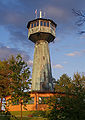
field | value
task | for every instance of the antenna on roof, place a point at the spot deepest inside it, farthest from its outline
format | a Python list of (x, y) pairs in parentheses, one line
[(36, 13), (40, 14), (44, 14)]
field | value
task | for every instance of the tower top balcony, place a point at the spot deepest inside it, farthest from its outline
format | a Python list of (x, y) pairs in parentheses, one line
[(41, 29)]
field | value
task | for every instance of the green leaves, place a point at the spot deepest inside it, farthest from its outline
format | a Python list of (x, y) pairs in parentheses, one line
[(20, 82), (4, 78), (20, 77), (70, 105), (14, 80), (14, 77), (63, 84)]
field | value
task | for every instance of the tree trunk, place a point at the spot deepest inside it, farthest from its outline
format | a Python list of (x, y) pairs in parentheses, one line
[(21, 110), (1, 103)]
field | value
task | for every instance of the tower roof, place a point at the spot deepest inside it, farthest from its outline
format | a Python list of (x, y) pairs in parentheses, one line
[(28, 25)]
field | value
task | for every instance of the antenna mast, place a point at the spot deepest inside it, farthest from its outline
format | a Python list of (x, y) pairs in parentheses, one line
[(40, 14)]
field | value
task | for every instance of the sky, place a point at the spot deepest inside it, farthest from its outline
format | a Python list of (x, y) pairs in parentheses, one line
[(67, 52)]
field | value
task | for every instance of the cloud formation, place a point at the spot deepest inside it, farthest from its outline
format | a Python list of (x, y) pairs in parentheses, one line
[(6, 52), (14, 20), (73, 54), (14, 15), (65, 62), (58, 66), (30, 63), (83, 51), (76, 53)]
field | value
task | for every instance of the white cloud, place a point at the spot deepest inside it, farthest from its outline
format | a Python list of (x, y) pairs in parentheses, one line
[(65, 62), (73, 54), (82, 37), (7, 47), (57, 39), (83, 51), (6, 52), (58, 66), (30, 63)]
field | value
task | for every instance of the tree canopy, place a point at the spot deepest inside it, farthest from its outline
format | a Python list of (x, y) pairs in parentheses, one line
[(14, 73), (4, 78), (15, 80), (71, 105), (20, 80), (63, 84)]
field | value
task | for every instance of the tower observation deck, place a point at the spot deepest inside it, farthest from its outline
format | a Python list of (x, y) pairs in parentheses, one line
[(41, 32)]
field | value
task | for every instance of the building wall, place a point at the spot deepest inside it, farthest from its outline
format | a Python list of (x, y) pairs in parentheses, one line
[(36, 105)]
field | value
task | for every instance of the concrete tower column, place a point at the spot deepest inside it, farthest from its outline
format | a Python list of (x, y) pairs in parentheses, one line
[(41, 32), (41, 74)]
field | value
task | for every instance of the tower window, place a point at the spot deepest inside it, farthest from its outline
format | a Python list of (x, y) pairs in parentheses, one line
[(37, 23), (41, 23), (43, 100), (51, 26), (44, 23), (16, 102), (30, 101), (32, 25), (47, 24)]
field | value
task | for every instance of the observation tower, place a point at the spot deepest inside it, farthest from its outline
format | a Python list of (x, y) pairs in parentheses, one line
[(41, 32)]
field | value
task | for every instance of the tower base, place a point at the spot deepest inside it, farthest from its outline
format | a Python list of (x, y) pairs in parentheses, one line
[(38, 101)]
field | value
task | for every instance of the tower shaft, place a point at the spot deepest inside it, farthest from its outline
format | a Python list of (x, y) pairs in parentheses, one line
[(41, 74), (41, 32)]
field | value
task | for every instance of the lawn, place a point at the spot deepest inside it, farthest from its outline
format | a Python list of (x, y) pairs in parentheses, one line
[(33, 118), (24, 118), (15, 115)]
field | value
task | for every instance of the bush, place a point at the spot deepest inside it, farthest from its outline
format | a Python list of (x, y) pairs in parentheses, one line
[(5, 115), (39, 114)]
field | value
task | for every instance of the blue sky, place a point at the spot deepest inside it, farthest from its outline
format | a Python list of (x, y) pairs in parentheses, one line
[(68, 50)]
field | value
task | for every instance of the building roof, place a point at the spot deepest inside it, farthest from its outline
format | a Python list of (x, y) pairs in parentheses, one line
[(28, 25)]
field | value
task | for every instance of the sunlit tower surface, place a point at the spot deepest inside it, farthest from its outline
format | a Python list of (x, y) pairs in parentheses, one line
[(41, 31)]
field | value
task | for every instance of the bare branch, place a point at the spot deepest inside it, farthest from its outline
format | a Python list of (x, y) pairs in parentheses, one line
[(81, 19), (80, 22), (81, 32), (78, 13)]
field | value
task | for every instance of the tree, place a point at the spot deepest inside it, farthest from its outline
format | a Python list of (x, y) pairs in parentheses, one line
[(4, 80), (14, 80), (63, 84), (70, 106), (20, 82)]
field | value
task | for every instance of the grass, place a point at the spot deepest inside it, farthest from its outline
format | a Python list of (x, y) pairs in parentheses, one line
[(33, 118), (24, 113), (24, 118), (15, 115), (27, 113)]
